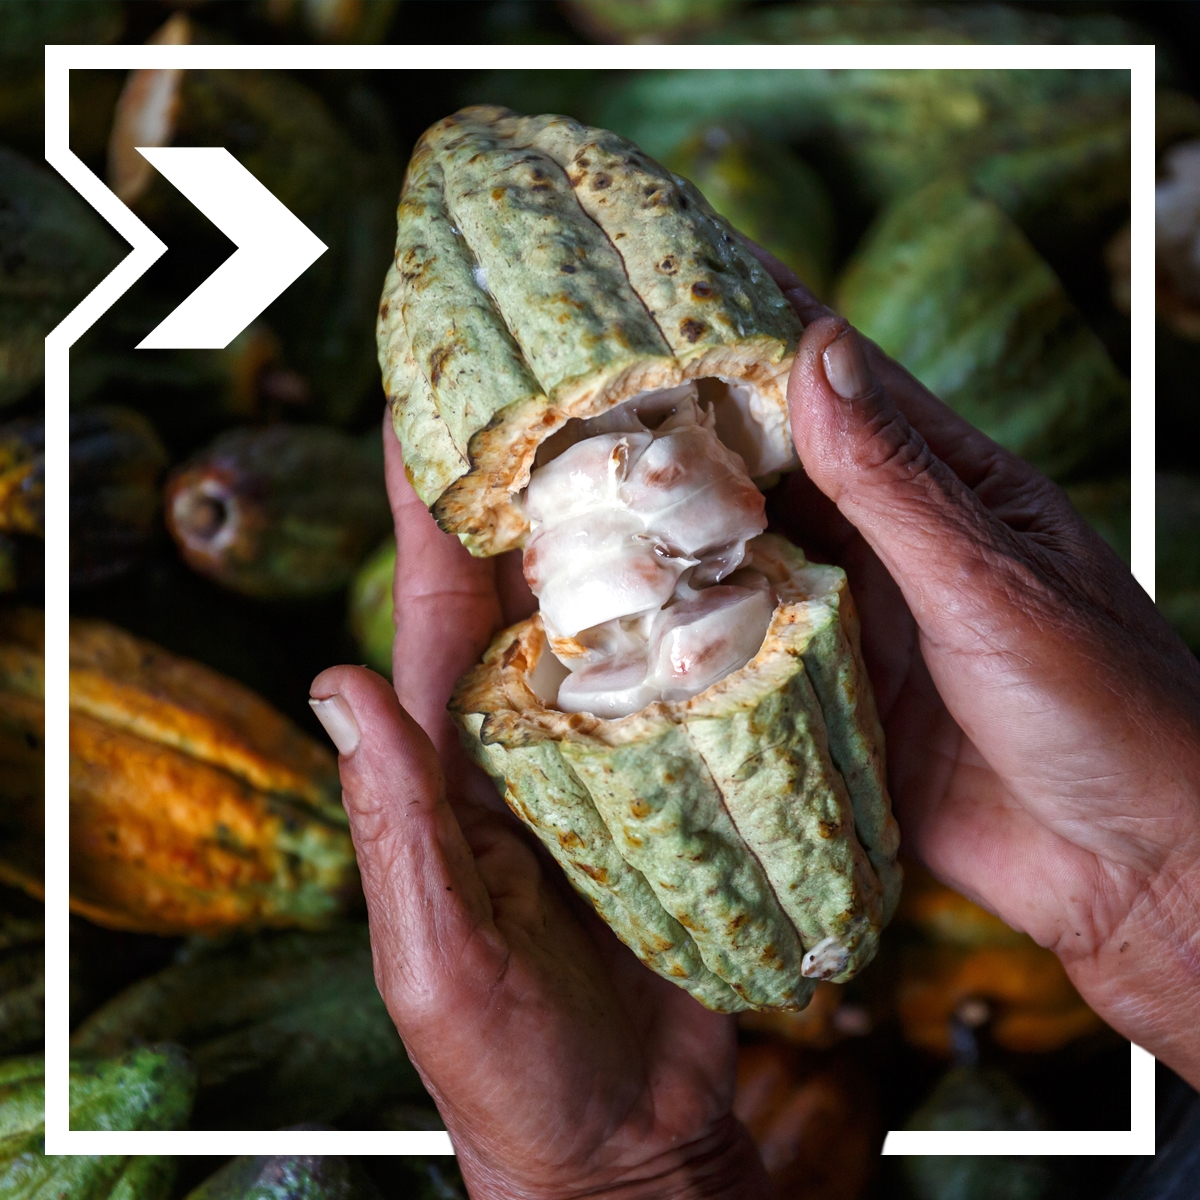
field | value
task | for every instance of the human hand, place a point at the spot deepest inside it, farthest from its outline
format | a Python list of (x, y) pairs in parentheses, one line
[(1042, 719), (561, 1065)]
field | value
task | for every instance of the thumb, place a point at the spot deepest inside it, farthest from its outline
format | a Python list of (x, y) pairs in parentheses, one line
[(425, 899), (927, 527)]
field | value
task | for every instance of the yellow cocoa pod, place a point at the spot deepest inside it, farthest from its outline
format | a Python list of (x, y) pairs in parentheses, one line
[(195, 806)]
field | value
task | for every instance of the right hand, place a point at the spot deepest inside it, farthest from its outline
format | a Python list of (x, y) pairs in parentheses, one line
[(1042, 718)]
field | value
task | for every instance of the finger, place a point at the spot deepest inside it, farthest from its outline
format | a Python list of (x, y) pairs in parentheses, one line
[(807, 307), (445, 604), (993, 473), (425, 899), (927, 527), (979, 462)]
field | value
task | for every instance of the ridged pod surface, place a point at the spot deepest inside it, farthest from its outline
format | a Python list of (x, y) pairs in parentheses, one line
[(741, 841), (195, 806), (545, 270), (725, 836), (150, 1088), (283, 1029)]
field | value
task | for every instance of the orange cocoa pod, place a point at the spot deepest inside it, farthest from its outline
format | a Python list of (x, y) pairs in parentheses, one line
[(195, 806), (814, 1119), (1022, 991)]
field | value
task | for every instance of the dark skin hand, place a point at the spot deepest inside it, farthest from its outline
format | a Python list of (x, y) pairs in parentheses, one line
[(1043, 733)]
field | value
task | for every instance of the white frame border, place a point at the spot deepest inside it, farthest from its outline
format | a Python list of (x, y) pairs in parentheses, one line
[(60, 60)]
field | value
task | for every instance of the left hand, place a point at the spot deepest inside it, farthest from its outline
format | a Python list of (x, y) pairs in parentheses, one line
[(562, 1066)]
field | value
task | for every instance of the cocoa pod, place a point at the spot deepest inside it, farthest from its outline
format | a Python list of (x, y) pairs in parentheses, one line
[(116, 461), (195, 806), (970, 1098), (966, 965), (815, 1120), (151, 1088), (281, 511), (283, 1029), (371, 616), (53, 250)]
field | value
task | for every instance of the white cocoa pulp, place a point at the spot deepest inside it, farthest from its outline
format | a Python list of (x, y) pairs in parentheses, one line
[(635, 553)]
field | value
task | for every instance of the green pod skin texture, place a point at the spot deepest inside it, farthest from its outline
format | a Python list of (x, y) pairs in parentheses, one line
[(948, 286), (724, 837), (116, 462), (639, 21), (1177, 546), (282, 1030), (22, 973), (765, 192), (918, 24), (189, 395), (285, 511), (53, 250), (286, 136), (740, 843), (151, 1088), (299, 1178), (544, 271), (1035, 141), (27, 27), (371, 610), (970, 1098)]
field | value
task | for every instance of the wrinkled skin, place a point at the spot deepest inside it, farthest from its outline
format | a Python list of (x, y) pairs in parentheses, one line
[(1043, 727)]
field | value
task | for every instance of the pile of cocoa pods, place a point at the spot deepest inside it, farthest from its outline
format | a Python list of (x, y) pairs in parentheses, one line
[(231, 537)]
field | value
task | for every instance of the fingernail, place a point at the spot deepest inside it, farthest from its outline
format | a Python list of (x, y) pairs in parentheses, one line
[(335, 715), (846, 366)]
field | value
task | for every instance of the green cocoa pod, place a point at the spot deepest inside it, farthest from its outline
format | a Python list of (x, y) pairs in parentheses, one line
[(26, 28), (285, 135), (22, 974), (546, 275), (116, 461), (281, 511), (1034, 140), (948, 286), (326, 1177), (53, 250), (970, 1098), (188, 395), (371, 614), (282, 1029), (150, 1088), (1177, 543), (855, 24), (765, 192), (647, 20)]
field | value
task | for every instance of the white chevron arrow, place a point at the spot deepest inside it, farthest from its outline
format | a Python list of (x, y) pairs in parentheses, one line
[(274, 248)]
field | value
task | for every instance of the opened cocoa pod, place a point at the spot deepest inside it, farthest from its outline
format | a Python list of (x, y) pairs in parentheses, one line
[(584, 360)]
